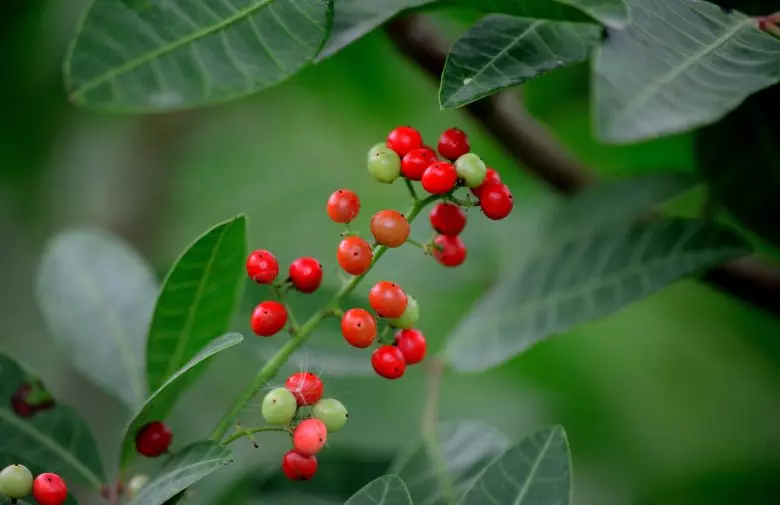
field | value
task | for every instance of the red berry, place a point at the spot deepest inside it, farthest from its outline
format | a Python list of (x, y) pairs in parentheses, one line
[(448, 219), (299, 467), (306, 274), (412, 345), (496, 201), (343, 206), (388, 299), (453, 144), (439, 178), (268, 318), (262, 267), (404, 139), (306, 387), (354, 255), (20, 401), (358, 327), (449, 251), (415, 162), (50, 489), (389, 362), (309, 437), (491, 177), (153, 439), (390, 228)]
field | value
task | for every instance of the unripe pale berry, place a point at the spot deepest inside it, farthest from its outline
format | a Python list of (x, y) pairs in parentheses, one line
[(387, 299), (449, 251), (354, 255), (448, 219), (306, 274), (415, 162), (410, 316), (262, 267), (16, 481), (385, 166), (279, 406), (268, 318), (491, 177), (136, 484), (439, 178), (299, 467), (388, 362), (471, 169), (412, 345), (496, 201), (453, 144), (358, 327), (380, 147), (390, 228), (343, 206), (153, 439), (309, 437), (332, 413), (404, 139), (306, 387), (50, 489)]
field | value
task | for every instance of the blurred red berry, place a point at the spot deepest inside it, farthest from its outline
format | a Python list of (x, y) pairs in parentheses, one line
[(404, 139), (453, 144), (448, 219)]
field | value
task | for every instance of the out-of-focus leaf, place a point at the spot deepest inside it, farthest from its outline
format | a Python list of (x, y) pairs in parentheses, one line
[(540, 9), (613, 13), (387, 490)]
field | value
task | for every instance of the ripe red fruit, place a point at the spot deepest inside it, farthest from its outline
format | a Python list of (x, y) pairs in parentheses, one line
[(50, 489), (390, 228), (449, 251), (343, 206), (262, 267), (496, 201), (387, 299), (153, 439), (389, 362), (415, 162), (412, 345), (439, 178), (21, 401), (491, 177), (306, 274), (306, 387), (448, 219), (358, 327), (309, 437), (354, 255), (299, 467), (268, 318), (453, 144), (404, 139)]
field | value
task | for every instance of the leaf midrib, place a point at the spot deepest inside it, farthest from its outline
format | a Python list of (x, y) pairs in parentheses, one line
[(534, 468), (213, 461)]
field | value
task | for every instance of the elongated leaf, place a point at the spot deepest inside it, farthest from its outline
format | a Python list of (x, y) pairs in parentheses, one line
[(198, 301), (613, 13), (537, 471), (740, 159), (679, 65), (501, 51), (540, 9), (174, 54), (57, 439), (97, 295), (160, 404), (447, 462), (387, 490), (185, 468), (583, 279)]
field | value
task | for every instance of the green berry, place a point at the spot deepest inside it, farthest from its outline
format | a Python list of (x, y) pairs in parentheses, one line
[(16, 481), (385, 166), (410, 316), (279, 406), (332, 413), (381, 147), (471, 169)]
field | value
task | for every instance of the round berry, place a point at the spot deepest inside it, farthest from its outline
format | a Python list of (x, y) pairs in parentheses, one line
[(390, 228), (448, 219), (299, 467), (16, 481), (153, 439), (306, 387), (50, 489), (388, 362), (491, 177), (415, 162), (404, 139), (449, 251), (412, 345), (410, 316), (309, 437), (388, 299), (306, 274), (453, 144), (262, 267), (136, 484), (496, 201), (343, 206), (380, 147), (471, 169), (19, 401), (384, 166), (268, 318), (354, 255), (331, 412), (439, 178), (358, 327), (279, 406)]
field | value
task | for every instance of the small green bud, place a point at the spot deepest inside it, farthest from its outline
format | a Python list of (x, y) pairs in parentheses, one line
[(410, 316), (279, 406), (16, 481), (471, 169), (332, 413)]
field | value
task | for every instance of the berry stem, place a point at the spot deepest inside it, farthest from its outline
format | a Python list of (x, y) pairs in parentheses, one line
[(463, 202), (280, 296), (416, 243), (247, 432), (411, 189)]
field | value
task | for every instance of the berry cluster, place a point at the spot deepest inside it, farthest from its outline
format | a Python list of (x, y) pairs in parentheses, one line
[(16, 482), (300, 407)]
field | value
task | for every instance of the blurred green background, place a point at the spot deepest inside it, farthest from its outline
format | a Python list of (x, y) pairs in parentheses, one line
[(671, 401)]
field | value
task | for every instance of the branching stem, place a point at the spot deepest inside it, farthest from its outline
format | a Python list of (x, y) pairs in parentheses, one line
[(248, 432)]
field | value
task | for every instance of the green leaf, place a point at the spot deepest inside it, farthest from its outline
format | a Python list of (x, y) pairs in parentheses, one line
[(740, 159), (501, 51), (198, 301), (176, 54), (97, 294), (387, 490), (583, 279), (57, 439), (541, 9), (679, 65), (162, 401), (185, 468), (536, 471), (613, 13), (445, 464)]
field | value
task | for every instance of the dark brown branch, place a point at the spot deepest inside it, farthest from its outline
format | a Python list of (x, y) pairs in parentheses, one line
[(502, 114)]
